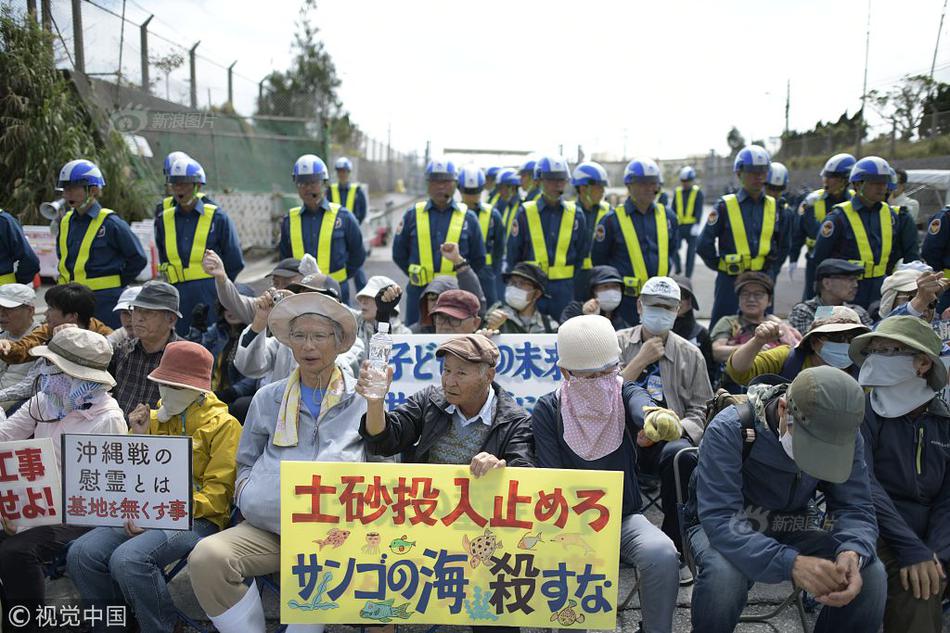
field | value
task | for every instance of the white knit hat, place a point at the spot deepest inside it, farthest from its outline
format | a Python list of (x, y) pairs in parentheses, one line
[(587, 343)]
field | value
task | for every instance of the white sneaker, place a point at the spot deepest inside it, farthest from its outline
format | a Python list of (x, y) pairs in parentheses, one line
[(686, 576)]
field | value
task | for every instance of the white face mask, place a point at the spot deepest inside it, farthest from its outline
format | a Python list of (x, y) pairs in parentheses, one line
[(879, 370), (658, 320), (896, 388), (609, 300), (786, 438), (517, 298), (174, 401)]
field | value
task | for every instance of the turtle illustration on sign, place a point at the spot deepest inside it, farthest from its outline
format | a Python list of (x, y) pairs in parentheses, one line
[(482, 548)]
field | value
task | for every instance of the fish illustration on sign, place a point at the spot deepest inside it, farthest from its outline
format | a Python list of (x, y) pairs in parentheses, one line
[(373, 541), (528, 541), (335, 538), (401, 545), (482, 548), (567, 616), (384, 611), (568, 540)]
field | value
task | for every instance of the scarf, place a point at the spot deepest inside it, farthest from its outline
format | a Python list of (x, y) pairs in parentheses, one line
[(65, 393), (288, 416), (593, 414)]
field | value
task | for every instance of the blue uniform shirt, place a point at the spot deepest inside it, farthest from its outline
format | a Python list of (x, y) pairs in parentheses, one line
[(520, 248), (935, 249), (15, 252), (836, 239), (359, 202), (807, 223), (222, 237), (905, 238), (495, 242), (610, 248), (346, 249), (115, 250), (406, 241), (718, 230)]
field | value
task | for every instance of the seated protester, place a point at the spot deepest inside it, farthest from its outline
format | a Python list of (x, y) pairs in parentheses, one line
[(836, 284), (265, 357), (469, 419), (71, 396), (673, 372), (281, 425), (115, 566), (746, 492), (755, 293), (124, 307), (455, 312), (286, 272), (689, 328), (366, 298), (464, 279), (914, 294), (603, 297), (911, 488), (154, 315), (16, 321), (826, 343), (65, 303), (518, 312), (589, 423)]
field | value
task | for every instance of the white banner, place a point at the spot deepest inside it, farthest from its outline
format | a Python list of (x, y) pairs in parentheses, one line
[(111, 479), (527, 365), (30, 493)]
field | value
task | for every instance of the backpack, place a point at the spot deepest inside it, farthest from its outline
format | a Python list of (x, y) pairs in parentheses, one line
[(723, 399)]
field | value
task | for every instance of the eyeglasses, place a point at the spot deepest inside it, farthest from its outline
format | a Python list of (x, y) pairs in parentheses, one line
[(447, 320), (889, 351), (755, 296), (317, 338)]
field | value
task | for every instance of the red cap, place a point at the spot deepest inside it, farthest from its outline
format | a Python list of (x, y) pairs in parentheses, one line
[(185, 364), (460, 304)]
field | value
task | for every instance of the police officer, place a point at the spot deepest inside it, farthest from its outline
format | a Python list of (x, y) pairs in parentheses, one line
[(18, 263), (428, 225), (529, 184), (638, 238), (168, 200), (688, 206), (812, 212), (491, 185), (321, 227), (183, 232), (742, 231), (906, 228), (936, 249), (471, 185), (776, 183), (509, 201), (863, 229), (661, 196), (550, 233), (96, 247), (590, 182), (350, 196)]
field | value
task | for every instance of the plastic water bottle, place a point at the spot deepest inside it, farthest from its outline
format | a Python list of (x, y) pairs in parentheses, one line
[(380, 348)]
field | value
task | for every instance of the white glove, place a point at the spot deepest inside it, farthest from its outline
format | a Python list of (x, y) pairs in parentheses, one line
[(792, 267), (696, 229)]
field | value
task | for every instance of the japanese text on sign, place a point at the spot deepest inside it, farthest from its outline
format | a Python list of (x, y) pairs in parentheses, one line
[(30, 493)]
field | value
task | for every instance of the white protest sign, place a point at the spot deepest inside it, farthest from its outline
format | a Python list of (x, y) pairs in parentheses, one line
[(30, 493), (527, 365), (111, 479)]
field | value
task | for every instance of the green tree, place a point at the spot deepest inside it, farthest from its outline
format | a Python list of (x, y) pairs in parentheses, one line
[(904, 105)]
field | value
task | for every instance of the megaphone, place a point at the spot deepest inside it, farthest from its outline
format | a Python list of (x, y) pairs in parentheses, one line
[(53, 210)]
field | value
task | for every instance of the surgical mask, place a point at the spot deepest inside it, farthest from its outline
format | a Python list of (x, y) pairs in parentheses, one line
[(517, 298), (658, 320), (609, 300), (174, 401), (835, 354), (786, 439)]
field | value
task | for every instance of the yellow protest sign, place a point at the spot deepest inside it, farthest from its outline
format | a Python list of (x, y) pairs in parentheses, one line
[(425, 544)]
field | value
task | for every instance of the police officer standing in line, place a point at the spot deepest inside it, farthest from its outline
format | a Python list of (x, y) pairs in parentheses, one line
[(471, 185), (863, 229), (590, 182), (491, 186), (638, 238), (907, 246), (742, 231), (183, 232), (688, 206), (509, 201), (18, 263), (96, 247), (661, 196), (168, 201), (350, 196), (936, 250), (550, 233), (812, 212), (776, 183), (430, 224), (324, 229), (529, 183)]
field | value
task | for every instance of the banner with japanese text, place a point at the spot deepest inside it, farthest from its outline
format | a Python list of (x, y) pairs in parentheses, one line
[(527, 365), (111, 479), (30, 492), (429, 544)]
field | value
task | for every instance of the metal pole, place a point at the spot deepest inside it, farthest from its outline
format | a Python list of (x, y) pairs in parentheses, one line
[(933, 100), (231, 85), (864, 90), (31, 9), (79, 59), (788, 102), (194, 85), (389, 158), (143, 47), (260, 92), (47, 14)]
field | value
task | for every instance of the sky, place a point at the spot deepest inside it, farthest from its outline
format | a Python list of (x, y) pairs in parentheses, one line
[(660, 79)]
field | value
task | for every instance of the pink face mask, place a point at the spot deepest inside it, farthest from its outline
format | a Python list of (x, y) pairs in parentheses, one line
[(593, 415)]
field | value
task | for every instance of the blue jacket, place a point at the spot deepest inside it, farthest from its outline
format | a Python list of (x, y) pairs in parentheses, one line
[(15, 251), (909, 461), (836, 239), (716, 239), (222, 237), (551, 451), (495, 243), (346, 246), (768, 480), (406, 242), (934, 250), (610, 248), (115, 250), (905, 238), (359, 201), (215, 339), (520, 248)]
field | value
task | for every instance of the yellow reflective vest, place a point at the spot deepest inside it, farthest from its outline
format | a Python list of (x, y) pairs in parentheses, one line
[(324, 241), (686, 214), (422, 273), (743, 260), (602, 209), (350, 196), (560, 269), (633, 284), (174, 269), (78, 273), (872, 269)]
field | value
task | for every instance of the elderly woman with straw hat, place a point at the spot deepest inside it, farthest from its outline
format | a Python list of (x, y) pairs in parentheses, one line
[(116, 565), (281, 424), (72, 396)]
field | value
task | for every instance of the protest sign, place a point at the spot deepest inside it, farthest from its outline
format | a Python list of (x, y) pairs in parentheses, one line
[(527, 365), (111, 479), (427, 544), (30, 493)]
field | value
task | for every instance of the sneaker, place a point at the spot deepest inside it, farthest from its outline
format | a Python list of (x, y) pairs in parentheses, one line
[(686, 576)]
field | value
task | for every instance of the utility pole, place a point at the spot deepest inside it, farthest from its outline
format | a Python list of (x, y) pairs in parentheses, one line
[(143, 47), (788, 101), (864, 90), (78, 56), (933, 64), (194, 84), (231, 85)]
